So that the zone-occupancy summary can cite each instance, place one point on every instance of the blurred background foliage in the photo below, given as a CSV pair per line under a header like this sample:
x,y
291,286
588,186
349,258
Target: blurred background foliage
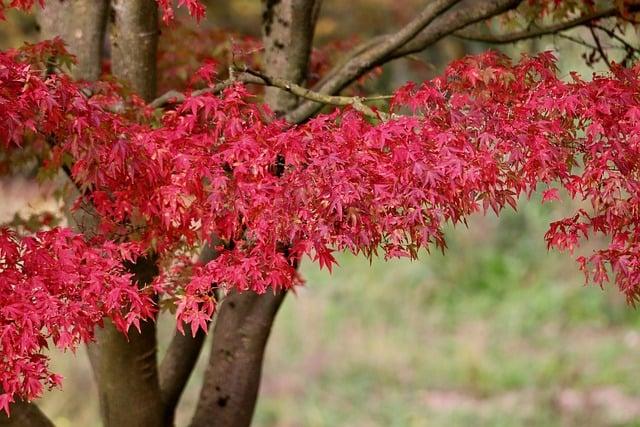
x,y
496,332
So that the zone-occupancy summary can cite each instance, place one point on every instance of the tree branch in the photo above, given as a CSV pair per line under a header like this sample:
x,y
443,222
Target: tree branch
x,y
601,51
575,40
246,75
450,20
476,34
175,97
176,367
24,414
181,357
340,101
630,50
363,57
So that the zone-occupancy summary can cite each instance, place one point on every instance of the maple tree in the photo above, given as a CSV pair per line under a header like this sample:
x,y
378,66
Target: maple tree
x,y
256,187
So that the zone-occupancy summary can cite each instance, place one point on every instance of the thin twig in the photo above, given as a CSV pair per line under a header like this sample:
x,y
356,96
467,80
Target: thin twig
x,y
603,55
358,103
575,40
246,75
536,31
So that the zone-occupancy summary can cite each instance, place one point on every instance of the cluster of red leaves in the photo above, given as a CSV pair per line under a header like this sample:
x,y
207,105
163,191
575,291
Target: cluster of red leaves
x,y
195,8
477,138
54,286
529,127
474,139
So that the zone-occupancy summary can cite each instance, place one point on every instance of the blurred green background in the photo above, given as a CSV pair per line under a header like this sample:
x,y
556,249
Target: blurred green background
x,y
497,332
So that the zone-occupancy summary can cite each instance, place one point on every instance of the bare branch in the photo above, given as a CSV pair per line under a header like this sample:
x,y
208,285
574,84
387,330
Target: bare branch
x,y
362,58
175,97
176,367
630,50
341,101
255,77
182,354
575,40
24,414
477,34
601,51
448,21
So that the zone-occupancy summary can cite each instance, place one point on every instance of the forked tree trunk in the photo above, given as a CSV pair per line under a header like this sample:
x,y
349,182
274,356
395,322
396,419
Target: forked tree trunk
x,y
126,370
132,393
232,379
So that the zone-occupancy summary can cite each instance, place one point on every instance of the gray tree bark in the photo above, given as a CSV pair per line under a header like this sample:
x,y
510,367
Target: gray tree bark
x,y
126,368
81,24
134,44
232,379
288,27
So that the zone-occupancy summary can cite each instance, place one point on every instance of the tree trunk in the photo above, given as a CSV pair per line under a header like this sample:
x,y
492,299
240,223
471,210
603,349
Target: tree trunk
x,y
81,24
232,379
134,44
287,33
126,369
